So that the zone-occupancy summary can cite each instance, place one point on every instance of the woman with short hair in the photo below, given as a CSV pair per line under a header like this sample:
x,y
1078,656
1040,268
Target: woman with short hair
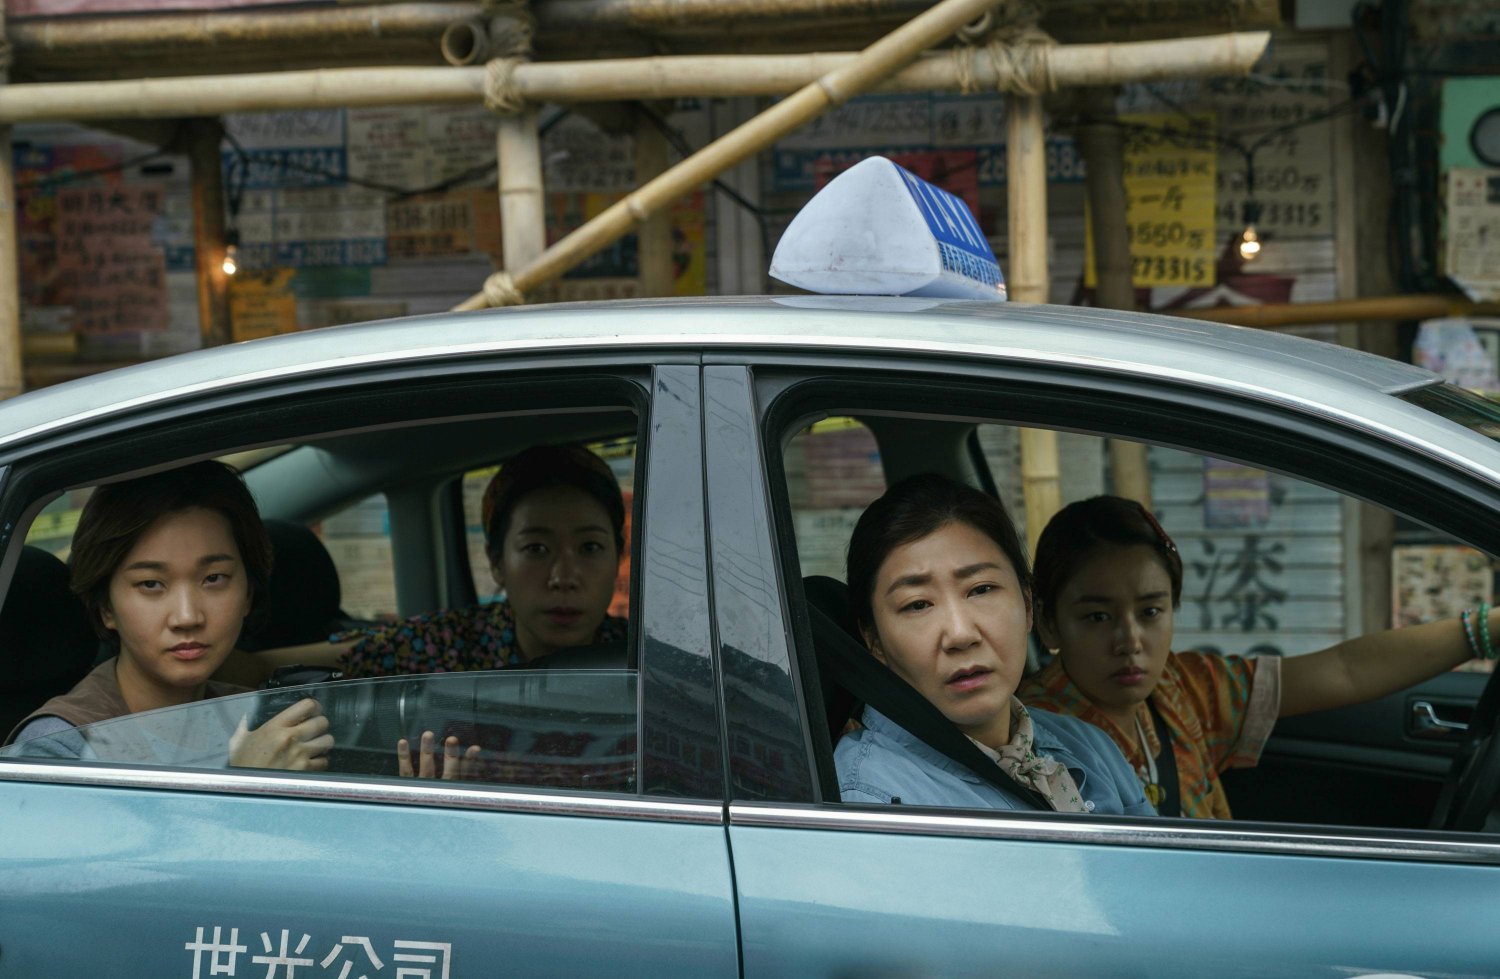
x,y
168,567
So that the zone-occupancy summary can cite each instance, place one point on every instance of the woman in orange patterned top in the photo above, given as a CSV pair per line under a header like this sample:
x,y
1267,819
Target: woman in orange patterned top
x,y
1108,580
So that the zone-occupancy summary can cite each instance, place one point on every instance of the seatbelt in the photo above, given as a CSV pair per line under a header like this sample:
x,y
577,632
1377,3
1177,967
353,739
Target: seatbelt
x,y
850,665
1166,766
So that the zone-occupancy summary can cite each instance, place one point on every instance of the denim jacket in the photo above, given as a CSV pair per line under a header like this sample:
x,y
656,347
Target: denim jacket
x,y
884,763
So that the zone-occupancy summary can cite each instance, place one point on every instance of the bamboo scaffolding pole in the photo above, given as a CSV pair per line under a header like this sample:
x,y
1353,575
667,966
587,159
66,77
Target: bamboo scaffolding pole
x,y
615,79
523,231
107,36
10,269
879,60
1388,308
1027,281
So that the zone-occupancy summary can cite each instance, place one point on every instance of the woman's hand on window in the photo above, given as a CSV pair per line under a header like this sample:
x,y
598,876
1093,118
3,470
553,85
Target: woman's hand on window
x,y
457,766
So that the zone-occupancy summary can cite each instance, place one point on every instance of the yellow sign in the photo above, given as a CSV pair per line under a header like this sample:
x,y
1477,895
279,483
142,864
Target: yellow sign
x,y
261,304
1170,165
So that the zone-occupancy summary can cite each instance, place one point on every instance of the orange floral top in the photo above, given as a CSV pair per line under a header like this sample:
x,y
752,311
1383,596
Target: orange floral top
x,y
1219,710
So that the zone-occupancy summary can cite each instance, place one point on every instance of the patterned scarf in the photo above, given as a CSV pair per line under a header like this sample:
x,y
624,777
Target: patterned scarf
x,y
1045,774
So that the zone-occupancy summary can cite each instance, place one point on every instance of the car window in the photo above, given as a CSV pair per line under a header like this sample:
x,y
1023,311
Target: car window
x,y
1265,556
833,472
1274,567
453,670
52,530
358,539
554,728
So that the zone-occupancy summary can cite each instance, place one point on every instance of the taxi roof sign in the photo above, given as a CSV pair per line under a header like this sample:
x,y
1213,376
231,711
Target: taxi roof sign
x,y
879,229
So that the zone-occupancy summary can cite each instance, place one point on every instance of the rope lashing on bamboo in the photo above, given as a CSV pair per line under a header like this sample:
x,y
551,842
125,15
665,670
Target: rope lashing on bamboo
x,y
501,94
1020,52
1022,66
500,290
511,29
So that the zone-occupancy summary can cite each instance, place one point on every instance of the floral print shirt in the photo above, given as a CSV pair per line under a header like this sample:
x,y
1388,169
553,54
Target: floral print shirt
x,y
479,637
1219,710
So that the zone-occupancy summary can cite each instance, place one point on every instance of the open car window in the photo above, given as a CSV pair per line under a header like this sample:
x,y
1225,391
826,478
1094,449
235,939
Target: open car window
x,y
573,729
1276,564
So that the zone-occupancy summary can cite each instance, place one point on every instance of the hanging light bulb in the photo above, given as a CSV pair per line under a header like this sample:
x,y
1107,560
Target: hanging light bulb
x,y
231,252
1249,244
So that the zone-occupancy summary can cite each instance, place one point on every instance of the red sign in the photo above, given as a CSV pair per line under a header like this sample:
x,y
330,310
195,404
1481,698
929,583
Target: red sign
x,y
109,269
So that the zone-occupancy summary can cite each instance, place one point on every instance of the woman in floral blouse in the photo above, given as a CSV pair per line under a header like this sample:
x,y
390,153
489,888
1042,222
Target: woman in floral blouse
x,y
554,525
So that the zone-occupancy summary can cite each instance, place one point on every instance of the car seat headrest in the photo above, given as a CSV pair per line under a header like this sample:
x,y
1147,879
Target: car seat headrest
x,y
303,596
46,641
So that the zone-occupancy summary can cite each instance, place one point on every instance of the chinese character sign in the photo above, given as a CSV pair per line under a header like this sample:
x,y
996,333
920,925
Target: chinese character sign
x,y
1170,162
294,954
111,269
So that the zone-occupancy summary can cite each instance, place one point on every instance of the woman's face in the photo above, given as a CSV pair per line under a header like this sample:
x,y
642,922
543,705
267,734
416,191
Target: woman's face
x,y
178,599
1112,626
951,620
557,567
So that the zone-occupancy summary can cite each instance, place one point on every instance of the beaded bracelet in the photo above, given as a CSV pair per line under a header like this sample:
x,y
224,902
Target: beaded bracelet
x,y
1466,617
1479,645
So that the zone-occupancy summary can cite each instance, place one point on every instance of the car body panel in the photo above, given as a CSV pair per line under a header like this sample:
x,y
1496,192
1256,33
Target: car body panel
x,y
1269,366
115,882
831,903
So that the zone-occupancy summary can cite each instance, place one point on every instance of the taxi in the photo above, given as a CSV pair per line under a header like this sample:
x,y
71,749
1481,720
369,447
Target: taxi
x,y
670,809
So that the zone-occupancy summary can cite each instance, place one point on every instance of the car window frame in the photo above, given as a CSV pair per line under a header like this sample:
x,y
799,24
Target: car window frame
x,y
1310,447
303,408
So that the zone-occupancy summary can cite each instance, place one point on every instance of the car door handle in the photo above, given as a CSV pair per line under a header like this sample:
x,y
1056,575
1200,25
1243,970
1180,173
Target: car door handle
x,y
1425,723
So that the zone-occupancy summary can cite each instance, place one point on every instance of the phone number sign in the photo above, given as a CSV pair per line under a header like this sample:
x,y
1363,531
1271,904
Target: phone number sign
x,y
1170,165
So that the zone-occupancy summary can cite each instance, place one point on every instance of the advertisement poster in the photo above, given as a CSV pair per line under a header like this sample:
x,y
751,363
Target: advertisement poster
x,y
1235,496
1293,166
580,158
262,304
285,149
305,226
1170,165
412,148
110,268
612,273
1472,256
458,222
1437,582
42,172
897,125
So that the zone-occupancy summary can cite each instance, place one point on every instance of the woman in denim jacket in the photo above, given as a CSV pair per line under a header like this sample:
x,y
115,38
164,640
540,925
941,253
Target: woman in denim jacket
x,y
940,591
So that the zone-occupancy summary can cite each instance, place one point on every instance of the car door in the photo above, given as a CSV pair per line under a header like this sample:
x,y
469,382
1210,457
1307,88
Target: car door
x,y
1384,761
830,889
130,869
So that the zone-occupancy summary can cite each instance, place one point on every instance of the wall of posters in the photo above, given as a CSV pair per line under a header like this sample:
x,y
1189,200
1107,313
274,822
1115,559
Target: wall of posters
x,y
376,211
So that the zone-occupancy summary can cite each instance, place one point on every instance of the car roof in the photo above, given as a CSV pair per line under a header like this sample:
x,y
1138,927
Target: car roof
x,y
1268,366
